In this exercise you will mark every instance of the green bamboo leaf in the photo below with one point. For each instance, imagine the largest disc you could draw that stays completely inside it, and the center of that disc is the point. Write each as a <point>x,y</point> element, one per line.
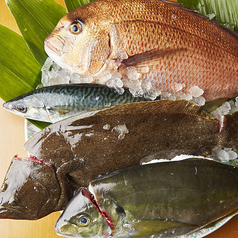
<point>73,4</point>
<point>225,11</point>
<point>40,124</point>
<point>20,71</point>
<point>36,19</point>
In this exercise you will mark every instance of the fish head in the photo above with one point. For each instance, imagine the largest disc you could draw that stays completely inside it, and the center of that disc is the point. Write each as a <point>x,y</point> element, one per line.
<point>82,218</point>
<point>28,106</point>
<point>30,190</point>
<point>80,41</point>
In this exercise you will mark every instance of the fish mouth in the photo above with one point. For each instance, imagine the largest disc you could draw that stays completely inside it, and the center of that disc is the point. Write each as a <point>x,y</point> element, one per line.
<point>8,212</point>
<point>6,106</point>
<point>9,106</point>
<point>50,49</point>
<point>56,54</point>
<point>59,232</point>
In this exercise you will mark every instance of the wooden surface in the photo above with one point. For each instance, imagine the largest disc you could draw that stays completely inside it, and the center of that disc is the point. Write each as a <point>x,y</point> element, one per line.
<point>11,143</point>
<point>12,139</point>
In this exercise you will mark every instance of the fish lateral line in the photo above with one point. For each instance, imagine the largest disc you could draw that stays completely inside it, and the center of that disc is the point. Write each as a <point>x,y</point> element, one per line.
<point>35,159</point>
<point>94,202</point>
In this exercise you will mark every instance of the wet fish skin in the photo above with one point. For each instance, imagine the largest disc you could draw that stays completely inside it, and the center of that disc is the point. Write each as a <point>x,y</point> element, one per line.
<point>54,103</point>
<point>122,136</point>
<point>172,48</point>
<point>82,147</point>
<point>30,190</point>
<point>166,199</point>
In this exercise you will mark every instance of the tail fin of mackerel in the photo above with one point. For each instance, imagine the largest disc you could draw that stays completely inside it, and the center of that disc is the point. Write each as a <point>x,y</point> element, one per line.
<point>228,128</point>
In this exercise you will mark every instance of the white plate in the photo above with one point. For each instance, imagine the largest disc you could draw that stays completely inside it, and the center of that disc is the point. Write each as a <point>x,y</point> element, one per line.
<point>206,231</point>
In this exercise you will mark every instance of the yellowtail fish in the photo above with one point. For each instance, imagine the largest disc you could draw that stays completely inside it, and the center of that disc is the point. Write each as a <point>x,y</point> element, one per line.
<point>153,45</point>
<point>166,199</point>
<point>54,103</point>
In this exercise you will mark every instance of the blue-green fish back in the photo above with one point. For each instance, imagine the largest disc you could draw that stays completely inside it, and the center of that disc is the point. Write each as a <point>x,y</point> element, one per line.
<point>57,102</point>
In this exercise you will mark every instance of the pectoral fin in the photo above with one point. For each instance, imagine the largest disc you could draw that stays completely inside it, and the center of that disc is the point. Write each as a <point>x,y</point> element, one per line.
<point>58,110</point>
<point>213,105</point>
<point>152,55</point>
<point>161,227</point>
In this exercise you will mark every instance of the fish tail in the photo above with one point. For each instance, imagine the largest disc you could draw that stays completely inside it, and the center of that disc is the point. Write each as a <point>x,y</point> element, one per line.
<point>228,130</point>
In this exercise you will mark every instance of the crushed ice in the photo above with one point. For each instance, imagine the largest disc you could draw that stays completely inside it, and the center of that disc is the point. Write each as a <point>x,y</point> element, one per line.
<point>225,154</point>
<point>196,91</point>
<point>121,130</point>
<point>53,74</point>
<point>228,107</point>
<point>115,82</point>
<point>211,16</point>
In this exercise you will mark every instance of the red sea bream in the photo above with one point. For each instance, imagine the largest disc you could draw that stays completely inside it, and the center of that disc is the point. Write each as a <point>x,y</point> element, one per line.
<point>149,46</point>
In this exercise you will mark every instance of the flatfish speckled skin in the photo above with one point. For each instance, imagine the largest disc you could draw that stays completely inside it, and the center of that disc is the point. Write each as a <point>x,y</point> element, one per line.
<point>105,140</point>
<point>168,47</point>
<point>30,190</point>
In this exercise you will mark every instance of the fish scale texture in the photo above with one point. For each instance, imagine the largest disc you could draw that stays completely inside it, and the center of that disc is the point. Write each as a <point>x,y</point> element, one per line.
<point>180,48</point>
<point>169,68</point>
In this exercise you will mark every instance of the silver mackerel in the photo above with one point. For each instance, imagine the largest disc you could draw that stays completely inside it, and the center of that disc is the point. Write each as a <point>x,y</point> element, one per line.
<point>54,103</point>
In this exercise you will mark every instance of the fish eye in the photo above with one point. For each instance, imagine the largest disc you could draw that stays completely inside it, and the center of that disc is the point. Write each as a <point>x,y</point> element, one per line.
<point>14,203</point>
<point>21,108</point>
<point>83,220</point>
<point>75,28</point>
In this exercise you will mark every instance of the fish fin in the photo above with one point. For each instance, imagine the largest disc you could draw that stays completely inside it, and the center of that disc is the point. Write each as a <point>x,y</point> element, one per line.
<point>145,228</point>
<point>183,106</point>
<point>213,105</point>
<point>232,33</point>
<point>60,111</point>
<point>121,215</point>
<point>170,154</point>
<point>66,180</point>
<point>150,55</point>
<point>119,209</point>
<point>228,131</point>
<point>220,220</point>
<point>181,6</point>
